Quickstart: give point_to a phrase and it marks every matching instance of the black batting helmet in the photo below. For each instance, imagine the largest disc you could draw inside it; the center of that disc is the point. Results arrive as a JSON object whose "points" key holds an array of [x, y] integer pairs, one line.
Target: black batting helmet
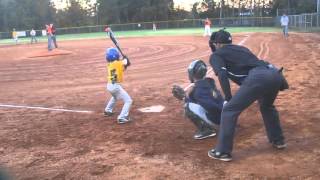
{"points": [[197, 70]]}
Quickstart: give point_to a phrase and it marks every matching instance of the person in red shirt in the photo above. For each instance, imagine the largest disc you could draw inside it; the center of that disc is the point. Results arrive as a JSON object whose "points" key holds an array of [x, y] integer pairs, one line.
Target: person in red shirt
{"points": [[49, 34]]}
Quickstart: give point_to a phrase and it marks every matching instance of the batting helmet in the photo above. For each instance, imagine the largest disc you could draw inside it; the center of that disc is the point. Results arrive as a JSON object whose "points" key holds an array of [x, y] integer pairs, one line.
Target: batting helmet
{"points": [[197, 70], [112, 54]]}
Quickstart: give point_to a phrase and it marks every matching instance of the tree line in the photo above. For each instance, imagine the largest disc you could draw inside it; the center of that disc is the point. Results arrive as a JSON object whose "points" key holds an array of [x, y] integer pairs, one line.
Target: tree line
{"points": [[29, 14]]}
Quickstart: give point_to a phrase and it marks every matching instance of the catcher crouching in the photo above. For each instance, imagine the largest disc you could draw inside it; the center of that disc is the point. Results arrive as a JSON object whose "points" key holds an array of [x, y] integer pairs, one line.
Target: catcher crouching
{"points": [[203, 103]]}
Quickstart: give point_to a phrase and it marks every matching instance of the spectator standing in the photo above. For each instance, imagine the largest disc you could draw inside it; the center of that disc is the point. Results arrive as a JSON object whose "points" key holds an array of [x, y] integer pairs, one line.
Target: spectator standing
{"points": [[284, 23], [33, 36]]}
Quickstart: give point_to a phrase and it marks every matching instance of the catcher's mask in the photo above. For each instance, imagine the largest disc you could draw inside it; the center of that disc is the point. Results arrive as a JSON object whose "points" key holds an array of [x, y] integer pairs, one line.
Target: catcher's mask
{"points": [[197, 70], [221, 36], [112, 54]]}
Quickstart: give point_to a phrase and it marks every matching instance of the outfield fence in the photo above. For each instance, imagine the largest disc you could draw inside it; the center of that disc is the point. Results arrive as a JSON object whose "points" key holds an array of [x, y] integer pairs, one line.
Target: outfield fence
{"points": [[303, 22], [186, 23]]}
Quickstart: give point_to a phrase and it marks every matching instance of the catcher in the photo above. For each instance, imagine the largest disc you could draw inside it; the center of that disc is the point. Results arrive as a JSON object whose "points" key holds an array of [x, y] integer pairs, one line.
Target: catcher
{"points": [[203, 104], [116, 68]]}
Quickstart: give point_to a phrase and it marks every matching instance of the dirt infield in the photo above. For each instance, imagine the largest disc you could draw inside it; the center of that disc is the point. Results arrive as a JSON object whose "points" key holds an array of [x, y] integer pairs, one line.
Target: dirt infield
{"points": [[48, 144]]}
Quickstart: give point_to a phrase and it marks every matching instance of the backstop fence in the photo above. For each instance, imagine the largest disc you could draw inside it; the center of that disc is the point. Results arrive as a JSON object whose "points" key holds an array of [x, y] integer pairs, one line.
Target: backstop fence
{"points": [[305, 22]]}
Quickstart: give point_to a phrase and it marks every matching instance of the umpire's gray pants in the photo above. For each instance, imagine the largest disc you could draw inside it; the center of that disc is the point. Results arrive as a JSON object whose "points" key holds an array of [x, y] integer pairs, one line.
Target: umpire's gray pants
{"points": [[118, 92], [262, 84]]}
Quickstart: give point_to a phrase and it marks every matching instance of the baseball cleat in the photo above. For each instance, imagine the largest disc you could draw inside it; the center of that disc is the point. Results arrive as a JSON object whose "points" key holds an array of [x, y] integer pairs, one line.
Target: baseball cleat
{"points": [[204, 134], [280, 144], [124, 120], [107, 113], [219, 155]]}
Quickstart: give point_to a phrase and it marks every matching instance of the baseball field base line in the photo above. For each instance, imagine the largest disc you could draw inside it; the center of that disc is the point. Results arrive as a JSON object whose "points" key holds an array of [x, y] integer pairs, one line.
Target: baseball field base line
{"points": [[43, 108]]}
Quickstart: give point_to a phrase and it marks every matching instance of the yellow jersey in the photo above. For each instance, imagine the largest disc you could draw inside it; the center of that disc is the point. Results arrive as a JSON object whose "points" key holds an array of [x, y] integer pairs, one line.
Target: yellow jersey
{"points": [[115, 71], [14, 34]]}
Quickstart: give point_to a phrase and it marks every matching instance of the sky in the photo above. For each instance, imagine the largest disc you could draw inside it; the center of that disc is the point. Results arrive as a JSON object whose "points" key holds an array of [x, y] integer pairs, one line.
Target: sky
{"points": [[185, 4]]}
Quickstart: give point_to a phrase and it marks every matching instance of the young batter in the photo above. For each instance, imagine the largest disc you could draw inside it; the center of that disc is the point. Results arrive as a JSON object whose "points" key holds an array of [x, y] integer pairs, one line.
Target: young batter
{"points": [[116, 68]]}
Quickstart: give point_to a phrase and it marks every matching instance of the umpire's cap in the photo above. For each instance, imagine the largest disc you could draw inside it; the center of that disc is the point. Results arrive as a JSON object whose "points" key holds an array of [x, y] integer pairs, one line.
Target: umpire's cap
{"points": [[221, 36]]}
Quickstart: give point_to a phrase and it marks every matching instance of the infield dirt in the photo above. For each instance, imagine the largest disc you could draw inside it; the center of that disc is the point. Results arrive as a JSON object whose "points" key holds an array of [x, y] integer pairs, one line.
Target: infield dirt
{"points": [[40, 144]]}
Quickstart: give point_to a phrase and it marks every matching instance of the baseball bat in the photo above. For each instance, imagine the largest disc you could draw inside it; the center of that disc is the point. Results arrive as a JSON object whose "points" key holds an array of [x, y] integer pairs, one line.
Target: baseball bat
{"points": [[115, 42]]}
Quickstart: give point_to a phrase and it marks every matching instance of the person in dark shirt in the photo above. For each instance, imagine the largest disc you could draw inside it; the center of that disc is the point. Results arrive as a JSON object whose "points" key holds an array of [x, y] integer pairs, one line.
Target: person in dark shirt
{"points": [[203, 103], [258, 80]]}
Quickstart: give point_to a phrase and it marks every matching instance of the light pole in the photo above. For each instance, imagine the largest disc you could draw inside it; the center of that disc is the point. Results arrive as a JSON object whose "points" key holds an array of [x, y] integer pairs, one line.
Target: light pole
{"points": [[221, 6], [97, 12]]}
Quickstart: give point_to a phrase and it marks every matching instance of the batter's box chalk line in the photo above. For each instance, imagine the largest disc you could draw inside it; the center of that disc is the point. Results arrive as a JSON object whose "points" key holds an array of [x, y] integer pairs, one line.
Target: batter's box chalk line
{"points": [[44, 108], [152, 109]]}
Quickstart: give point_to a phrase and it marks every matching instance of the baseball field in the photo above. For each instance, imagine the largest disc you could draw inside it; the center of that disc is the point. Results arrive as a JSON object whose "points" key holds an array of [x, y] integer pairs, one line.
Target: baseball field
{"points": [[52, 123]]}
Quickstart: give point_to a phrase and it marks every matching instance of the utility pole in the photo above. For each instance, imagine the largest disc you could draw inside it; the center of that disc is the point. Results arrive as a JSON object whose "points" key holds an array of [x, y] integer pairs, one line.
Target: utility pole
{"points": [[221, 5], [96, 8], [318, 6], [288, 13]]}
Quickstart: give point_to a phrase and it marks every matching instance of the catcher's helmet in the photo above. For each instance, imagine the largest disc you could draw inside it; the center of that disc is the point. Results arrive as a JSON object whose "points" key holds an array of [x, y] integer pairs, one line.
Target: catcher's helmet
{"points": [[112, 54], [197, 70], [221, 36]]}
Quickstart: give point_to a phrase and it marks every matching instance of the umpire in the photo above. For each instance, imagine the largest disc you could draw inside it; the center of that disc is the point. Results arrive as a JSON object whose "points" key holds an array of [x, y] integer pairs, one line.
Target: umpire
{"points": [[258, 80]]}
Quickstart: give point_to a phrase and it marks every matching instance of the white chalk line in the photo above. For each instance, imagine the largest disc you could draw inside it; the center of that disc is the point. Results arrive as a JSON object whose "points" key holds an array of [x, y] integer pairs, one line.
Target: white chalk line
{"points": [[210, 69], [44, 108]]}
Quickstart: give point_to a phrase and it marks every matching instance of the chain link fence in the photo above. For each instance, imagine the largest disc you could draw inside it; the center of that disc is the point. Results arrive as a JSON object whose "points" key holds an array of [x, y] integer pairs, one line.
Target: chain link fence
{"points": [[187, 23], [305, 22]]}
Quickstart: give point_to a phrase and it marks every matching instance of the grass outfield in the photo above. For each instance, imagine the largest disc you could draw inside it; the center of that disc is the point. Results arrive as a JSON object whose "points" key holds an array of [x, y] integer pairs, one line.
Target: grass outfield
{"points": [[165, 32]]}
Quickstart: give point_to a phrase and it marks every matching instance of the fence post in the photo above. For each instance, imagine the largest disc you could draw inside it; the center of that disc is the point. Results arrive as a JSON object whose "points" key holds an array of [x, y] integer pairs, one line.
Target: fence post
{"points": [[311, 21], [305, 22]]}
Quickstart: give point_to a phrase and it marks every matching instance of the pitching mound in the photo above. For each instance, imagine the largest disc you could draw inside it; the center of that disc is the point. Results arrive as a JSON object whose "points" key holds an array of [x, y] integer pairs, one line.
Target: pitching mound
{"points": [[46, 53]]}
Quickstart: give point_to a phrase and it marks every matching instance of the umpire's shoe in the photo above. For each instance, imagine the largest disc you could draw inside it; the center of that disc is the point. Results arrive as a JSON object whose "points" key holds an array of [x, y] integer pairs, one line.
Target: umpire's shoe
{"points": [[219, 155], [205, 134], [124, 120], [280, 144]]}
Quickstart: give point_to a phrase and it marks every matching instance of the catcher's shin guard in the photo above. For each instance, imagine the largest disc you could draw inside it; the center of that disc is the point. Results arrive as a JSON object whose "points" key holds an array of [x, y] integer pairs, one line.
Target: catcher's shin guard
{"points": [[204, 129]]}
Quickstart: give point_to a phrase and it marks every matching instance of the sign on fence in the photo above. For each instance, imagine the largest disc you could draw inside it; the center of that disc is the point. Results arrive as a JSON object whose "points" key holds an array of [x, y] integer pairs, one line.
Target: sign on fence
{"points": [[21, 33], [44, 32]]}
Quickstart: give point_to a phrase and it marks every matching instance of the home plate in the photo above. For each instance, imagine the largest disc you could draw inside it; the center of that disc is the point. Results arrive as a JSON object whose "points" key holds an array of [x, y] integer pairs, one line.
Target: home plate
{"points": [[150, 109]]}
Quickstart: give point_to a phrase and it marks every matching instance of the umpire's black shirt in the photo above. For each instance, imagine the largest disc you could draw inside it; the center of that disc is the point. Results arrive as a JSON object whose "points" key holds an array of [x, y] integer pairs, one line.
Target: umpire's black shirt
{"points": [[234, 62]]}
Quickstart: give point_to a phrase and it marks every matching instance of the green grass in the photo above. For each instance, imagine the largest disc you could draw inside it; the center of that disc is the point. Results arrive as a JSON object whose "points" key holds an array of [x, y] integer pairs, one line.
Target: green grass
{"points": [[141, 33]]}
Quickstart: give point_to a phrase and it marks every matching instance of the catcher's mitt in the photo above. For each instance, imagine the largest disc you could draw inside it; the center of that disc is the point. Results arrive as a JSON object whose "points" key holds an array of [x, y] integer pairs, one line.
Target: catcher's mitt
{"points": [[178, 92]]}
